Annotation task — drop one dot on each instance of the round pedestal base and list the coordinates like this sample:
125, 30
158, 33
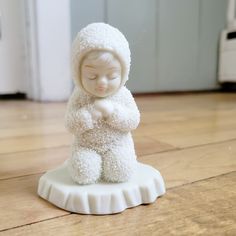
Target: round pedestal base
57, 187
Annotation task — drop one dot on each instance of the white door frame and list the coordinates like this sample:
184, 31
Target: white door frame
12, 47
48, 44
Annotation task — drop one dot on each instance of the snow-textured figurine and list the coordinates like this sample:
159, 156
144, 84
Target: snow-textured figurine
102, 175
101, 111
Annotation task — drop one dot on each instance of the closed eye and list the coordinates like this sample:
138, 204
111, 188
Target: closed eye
113, 76
92, 77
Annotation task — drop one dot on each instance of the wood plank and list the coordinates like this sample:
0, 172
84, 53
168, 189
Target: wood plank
190, 139
175, 134
179, 121
20, 204
178, 168
30, 121
161, 102
37, 161
28, 143
186, 102
26, 113
206, 207
32, 162
33, 130
193, 164
188, 120
21, 118
188, 130
145, 145
10, 107
167, 121
199, 116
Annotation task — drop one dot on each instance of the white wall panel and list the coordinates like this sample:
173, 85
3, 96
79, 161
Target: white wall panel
12, 47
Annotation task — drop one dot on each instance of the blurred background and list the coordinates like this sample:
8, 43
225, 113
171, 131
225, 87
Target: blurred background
183, 53
176, 46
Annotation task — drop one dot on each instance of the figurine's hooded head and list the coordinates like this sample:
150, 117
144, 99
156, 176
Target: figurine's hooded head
100, 36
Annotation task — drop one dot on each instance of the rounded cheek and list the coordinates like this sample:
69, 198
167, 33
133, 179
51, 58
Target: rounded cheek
89, 85
112, 88
114, 85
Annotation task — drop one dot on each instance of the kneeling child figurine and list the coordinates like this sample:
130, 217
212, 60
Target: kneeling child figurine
101, 111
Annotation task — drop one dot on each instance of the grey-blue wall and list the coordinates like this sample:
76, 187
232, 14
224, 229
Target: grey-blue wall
174, 43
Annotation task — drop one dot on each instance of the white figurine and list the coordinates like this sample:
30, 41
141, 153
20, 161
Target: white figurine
100, 114
101, 111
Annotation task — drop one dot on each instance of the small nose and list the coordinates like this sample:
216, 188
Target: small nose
102, 81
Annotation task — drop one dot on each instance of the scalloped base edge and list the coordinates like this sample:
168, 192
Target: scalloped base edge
101, 198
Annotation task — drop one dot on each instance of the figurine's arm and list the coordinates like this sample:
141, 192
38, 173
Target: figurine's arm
78, 118
126, 116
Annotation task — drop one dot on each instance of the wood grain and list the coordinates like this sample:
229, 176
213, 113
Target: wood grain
178, 168
28, 143
33, 130
20, 204
145, 145
192, 164
202, 208
30, 161
190, 129
190, 138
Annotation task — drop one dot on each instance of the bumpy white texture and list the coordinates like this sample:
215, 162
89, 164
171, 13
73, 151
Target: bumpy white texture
100, 36
108, 139
85, 166
144, 187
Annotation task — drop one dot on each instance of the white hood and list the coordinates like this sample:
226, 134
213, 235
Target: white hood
100, 36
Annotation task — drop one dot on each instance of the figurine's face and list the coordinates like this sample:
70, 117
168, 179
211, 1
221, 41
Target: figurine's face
100, 73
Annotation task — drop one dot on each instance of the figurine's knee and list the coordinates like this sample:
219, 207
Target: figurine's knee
119, 165
85, 166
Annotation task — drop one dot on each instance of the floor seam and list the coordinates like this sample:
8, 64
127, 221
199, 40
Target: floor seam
19, 226
190, 147
70, 213
201, 180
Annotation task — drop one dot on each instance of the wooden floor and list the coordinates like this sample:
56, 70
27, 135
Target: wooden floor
191, 139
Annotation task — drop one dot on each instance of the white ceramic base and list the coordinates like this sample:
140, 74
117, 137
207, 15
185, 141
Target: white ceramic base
57, 187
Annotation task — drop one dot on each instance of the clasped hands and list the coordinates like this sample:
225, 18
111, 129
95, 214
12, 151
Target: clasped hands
102, 109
